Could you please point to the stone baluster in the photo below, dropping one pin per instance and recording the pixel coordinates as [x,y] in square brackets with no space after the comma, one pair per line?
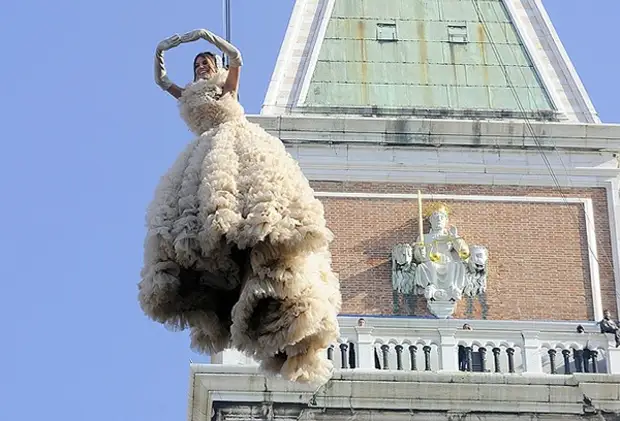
[469,358]
[578,357]
[483,359]
[552,353]
[566,355]
[352,356]
[412,355]
[385,350]
[343,355]
[377,361]
[330,353]
[496,352]
[427,357]
[399,357]
[511,359]
[594,358]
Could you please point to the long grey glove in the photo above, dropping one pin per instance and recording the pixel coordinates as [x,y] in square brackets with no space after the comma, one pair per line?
[161,77]
[227,48]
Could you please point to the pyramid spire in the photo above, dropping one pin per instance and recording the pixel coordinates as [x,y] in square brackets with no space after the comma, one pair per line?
[498,59]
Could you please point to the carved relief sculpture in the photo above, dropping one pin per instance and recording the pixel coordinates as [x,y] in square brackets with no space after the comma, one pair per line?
[403,269]
[440,265]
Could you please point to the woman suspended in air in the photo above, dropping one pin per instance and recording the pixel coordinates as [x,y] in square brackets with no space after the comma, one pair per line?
[236,249]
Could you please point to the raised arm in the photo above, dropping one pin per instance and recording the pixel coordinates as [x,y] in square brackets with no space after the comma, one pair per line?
[161,77]
[234,55]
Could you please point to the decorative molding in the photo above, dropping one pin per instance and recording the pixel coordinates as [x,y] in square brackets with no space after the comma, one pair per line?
[434,133]
[452,164]
[283,62]
[530,50]
[588,210]
[551,61]
[475,392]
[554,48]
[348,323]
[595,280]
[466,169]
[459,197]
[291,59]
[613,204]
[430,176]
[317,43]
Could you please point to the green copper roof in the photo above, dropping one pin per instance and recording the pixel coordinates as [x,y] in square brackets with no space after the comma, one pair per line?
[425,54]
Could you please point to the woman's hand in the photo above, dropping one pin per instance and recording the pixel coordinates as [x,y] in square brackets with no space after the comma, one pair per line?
[161,75]
[192,36]
[226,47]
[170,42]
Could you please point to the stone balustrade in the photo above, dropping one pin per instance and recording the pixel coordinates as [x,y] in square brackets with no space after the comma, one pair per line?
[388,343]
[441,345]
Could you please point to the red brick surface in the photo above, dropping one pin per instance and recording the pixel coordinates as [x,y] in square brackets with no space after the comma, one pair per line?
[538,254]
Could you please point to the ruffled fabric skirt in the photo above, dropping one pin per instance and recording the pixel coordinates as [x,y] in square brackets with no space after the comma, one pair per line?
[237,252]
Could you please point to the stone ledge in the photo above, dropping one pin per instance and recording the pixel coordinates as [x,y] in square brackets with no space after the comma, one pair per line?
[346,320]
[412,376]
[408,391]
[294,413]
[437,133]
[429,112]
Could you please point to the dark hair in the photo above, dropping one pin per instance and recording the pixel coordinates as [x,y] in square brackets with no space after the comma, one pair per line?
[210,55]
[205,54]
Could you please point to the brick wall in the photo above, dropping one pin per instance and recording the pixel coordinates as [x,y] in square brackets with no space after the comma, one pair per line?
[538,255]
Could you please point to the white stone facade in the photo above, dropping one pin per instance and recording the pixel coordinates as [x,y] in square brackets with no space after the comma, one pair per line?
[511,153]
[224,393]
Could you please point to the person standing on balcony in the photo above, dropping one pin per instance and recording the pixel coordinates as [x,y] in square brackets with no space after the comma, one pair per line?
[582,356]
[609,326]
[463,351]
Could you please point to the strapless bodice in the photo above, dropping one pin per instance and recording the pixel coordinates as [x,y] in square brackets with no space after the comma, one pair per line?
[203,106]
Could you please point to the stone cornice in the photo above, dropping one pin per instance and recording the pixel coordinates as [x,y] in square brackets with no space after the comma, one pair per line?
[391,322]
[395,390]
[433,133]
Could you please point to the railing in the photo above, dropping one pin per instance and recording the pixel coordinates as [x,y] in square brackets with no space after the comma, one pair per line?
[392,343]
[493,346]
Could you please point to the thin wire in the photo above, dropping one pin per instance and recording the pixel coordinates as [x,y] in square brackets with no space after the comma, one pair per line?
[538,143]
[533,133]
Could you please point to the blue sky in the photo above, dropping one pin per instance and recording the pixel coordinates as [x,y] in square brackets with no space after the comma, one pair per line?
[86,135]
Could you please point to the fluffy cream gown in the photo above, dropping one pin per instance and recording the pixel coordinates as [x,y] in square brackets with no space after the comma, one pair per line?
[237,245]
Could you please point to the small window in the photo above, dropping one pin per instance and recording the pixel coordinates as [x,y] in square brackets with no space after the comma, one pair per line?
[386,32]
[457,34]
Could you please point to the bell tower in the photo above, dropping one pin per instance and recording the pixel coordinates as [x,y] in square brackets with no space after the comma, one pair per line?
[461,124]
